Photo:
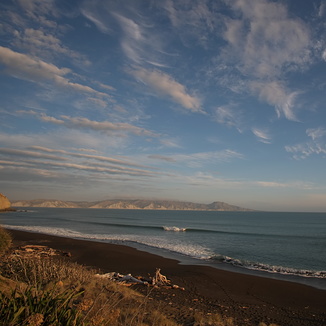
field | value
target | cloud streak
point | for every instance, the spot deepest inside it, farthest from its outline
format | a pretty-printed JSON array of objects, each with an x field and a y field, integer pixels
[
  {"x": 106, "y": 127},
  {"x": 22, "y": 66},
  {"x": 165, "y": 85}
]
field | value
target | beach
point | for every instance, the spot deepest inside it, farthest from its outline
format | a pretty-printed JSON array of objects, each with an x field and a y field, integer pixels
[{"x": 247, "y": 298}]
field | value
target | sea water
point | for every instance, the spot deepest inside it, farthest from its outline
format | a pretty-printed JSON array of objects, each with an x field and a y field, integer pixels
[{"x": 272, "y": 244}]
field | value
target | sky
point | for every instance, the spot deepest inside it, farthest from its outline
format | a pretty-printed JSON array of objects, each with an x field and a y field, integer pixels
[{"x": 191, "y": 100}]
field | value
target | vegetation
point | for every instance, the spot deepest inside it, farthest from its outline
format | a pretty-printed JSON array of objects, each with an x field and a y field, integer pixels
[{"x": 5, "y": 241}]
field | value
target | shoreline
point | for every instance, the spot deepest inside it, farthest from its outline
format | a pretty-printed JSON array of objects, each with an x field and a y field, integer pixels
[
  {"x": 243, "y": 296},
  {"x": 316, "y": 282}
]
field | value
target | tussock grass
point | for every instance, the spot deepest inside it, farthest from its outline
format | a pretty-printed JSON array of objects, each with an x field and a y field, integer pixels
[
  {"x": 40, "y": 272},
  {"x": 31, "y": 307}
]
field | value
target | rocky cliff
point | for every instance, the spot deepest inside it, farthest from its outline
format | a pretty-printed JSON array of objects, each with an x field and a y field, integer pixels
[
  {"x": 4, "y": 203},
  {"x": 132, "y": 204}
]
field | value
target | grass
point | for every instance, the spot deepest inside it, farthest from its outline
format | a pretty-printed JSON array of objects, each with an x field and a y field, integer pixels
[
  {"x": 52, "y": 291},
  {"x": 5, "y": 241}
]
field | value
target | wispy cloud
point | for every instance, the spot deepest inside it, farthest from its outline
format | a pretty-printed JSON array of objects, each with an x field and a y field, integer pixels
[
  {"x": 107, "y": 127},
  {"x": 275, "y": 93},
  {"x": 23, "y": 66},
  {"x": 133, "y": 38},
  {"x": 316, "y": 133},
  {"x": 139, "y": 41},
  {"x": 198, "y": 160},
  {"x": 24, "y": 153},
  {"x": 195, "y": 20},
  {"x": 265, "y": 42},
  {"x": 45, "y": 45},
  {"x": 39, "y": 158},
  {"x": 228, "y": 115},
  {"x": 262, "y": 135},
  {"x": 314, "y": 146},
  {"x": 161, "y": 158},
  {"x": 280, "y": 185},
  {"x": 165, "y": 85}
]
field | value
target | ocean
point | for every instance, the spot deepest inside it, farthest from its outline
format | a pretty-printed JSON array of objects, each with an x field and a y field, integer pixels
[{"x": 289, "y": 246}]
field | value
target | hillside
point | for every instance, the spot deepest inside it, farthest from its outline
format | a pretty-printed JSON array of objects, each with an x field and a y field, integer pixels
[
  {"x": 131, "y": 204},
  {"x": 4, "y": 203}
]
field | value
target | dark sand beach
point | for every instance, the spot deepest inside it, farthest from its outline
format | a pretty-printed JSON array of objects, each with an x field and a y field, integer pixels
[{"x": 249, "y": 299}]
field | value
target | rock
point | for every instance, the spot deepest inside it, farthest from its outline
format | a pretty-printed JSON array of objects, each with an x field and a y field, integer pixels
[{"x": 4, "y": 203}]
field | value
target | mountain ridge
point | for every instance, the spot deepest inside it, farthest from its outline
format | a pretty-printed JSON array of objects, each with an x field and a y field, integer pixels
[{"x": 144, "y": 204}]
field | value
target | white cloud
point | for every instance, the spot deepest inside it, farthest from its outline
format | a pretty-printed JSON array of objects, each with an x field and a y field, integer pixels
[
  {"x": 316, "y": 133},
  {"x": 47, "y": 162},
  {"x": 165, "y": 85},
  {"x": 315, "y": 146},
  {"x": 276, "y": 94},
  {"x": 264, "y": 43},
  {"x": 24, "y": 153},
  {"x": 193, "y": 20},
  {"x": 198, "y": 160},
  {"x": 304, "y": 150},
  {"x": 269, "y": 39},
  {"x": 322, "y": 9},
  {"x": 38, "y": 10},
  {"x": 293, "y": 184},
  {"x": 133, "y": 38},
  {"x": 107, "y": 127},
  {"x": 229, "y": 116},
  {"x": 96, "y": 20},
  {"x": 324, "y": 55},
  {"x": 262, "y": 135},
  {"x": 42, "y": 44},
  {"x": 25, "y": 67}
]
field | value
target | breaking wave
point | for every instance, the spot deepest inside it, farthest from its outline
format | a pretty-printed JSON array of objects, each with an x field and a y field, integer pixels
[
  {"x": 268, "y": 268},
  {"x": 174, "y": 229}
]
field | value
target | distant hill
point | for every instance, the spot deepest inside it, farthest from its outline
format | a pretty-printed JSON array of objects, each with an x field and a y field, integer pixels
[{"x": 131, "y": 204}]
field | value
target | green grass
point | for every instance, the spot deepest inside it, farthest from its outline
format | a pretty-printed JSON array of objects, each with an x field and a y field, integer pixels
[{"x": 32, "y": 307}]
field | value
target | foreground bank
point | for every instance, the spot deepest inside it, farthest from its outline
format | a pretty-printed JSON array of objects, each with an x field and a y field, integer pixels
[{"x": 249, "y": 299}]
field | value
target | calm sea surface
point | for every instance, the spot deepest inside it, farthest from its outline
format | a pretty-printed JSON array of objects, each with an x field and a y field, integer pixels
[{"x": 274, "y": 244}]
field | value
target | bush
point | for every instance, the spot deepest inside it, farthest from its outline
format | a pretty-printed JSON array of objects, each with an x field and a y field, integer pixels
[{"x": 5, "y": 241}]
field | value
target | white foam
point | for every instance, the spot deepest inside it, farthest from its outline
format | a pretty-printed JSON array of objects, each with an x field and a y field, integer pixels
[
  {"x": 174, "y": 229},
  {"x": 270, "y": 268},
  {"x": 158, "y": 242}
]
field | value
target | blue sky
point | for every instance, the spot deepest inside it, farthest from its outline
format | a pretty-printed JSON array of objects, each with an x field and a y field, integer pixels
[{"x": 176, "y": 99}]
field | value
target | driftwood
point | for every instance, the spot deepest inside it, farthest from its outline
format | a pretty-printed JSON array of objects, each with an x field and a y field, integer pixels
[
  {"x": 38, "y": 251},
  {"x": 158, "y": 280}
]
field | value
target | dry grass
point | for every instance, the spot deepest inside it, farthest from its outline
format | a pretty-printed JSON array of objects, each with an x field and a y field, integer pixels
[
  {"x": 5, "y": 241},
  {"x": 89, "y": 300}
]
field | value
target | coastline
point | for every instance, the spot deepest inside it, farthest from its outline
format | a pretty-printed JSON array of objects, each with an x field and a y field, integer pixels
[{"x": 243, "y": 296}]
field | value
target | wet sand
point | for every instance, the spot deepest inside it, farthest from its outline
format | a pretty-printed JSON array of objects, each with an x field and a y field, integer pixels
[{"x": 249, "y": 299}]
